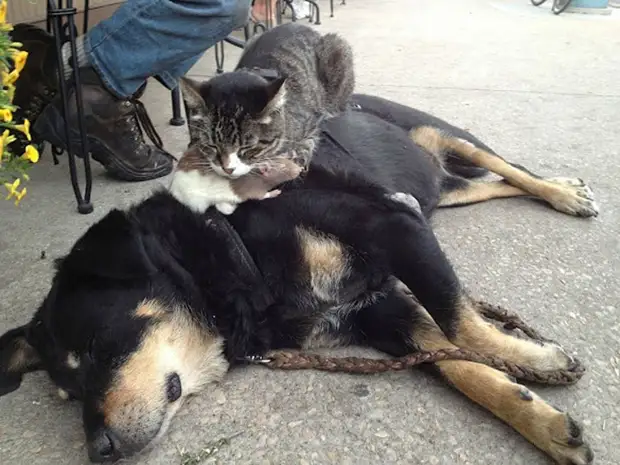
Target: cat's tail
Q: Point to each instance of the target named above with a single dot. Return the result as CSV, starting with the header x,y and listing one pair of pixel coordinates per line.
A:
x,y
336,72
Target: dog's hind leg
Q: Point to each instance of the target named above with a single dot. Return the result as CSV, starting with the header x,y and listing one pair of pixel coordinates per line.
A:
x,y
398,325
457,191
567,195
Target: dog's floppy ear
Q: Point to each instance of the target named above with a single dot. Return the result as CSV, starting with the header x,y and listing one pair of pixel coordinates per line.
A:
x,y
17,357
112,248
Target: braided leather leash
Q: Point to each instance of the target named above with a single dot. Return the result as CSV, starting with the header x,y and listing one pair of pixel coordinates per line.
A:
x,y
297,360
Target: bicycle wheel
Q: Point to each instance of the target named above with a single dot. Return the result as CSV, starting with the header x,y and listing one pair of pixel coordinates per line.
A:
x,y
559,6
537,2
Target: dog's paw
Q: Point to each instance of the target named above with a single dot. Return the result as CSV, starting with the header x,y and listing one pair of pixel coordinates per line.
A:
x,y
558,358
546,356
566,443
406,199
575,197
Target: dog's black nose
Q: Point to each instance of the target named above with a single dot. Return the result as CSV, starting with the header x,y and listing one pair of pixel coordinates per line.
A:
x,y
103,447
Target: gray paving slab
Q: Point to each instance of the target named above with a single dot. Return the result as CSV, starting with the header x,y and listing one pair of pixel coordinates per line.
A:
x,y
543,91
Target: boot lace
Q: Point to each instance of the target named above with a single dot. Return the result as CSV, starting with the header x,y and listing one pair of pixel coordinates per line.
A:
x,y
140,123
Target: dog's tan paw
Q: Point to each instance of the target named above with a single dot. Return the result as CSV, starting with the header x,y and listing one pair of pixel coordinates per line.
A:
x,y
575,197
553,357
566,444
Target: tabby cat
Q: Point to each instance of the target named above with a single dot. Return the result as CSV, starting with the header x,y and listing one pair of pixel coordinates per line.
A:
x,y
256,120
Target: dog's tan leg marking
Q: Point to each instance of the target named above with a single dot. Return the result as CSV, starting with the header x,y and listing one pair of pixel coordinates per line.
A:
x,y
552,431
474,333
567,195
477,191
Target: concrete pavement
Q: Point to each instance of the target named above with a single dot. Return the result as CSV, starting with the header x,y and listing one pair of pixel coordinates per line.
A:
x,y
543,91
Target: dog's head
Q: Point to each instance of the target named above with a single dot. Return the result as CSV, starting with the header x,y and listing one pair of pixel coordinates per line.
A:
x,y
114,334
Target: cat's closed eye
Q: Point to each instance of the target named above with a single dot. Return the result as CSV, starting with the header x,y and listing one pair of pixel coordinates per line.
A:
x,y
207,150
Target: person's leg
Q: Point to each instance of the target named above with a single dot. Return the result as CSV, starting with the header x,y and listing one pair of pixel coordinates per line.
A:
x,y
161,38
143,38
264,10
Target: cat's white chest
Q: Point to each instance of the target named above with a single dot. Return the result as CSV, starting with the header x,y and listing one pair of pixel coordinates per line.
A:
x,y
201,191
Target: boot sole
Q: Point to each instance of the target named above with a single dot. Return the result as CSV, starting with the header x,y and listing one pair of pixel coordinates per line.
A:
x,y
50,127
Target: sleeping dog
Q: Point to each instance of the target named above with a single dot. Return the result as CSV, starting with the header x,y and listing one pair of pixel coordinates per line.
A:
x,y
154,303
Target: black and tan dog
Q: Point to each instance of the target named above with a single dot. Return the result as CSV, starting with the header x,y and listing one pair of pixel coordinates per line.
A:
x,y
154,303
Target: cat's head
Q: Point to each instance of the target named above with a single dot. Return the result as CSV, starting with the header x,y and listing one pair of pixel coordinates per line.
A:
x,y
235,120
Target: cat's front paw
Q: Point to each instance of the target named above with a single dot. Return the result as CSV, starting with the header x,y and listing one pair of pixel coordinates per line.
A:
x,y
226,208
272,194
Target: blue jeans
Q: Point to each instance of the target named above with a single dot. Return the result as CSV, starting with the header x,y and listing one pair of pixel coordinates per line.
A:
x,y
160,38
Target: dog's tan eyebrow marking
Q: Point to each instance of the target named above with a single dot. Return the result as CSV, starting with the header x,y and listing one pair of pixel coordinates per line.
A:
x,y
149,309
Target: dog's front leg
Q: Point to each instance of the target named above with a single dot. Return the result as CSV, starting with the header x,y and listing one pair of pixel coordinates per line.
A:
x,y
398,325
551,430
420,263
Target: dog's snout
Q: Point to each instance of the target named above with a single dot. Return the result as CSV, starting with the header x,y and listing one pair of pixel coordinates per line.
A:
x,y
103,447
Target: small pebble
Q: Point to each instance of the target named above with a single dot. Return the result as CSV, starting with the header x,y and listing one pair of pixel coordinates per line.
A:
x,y
220,398
361,390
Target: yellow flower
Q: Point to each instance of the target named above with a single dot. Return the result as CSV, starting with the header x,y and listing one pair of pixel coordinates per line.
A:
x,y
25,128
31,154
6,115
3,11
5,139
8,79
25,176
19,60
20,196
12,188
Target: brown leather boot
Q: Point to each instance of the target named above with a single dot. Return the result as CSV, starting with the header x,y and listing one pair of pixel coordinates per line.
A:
x,y
115,130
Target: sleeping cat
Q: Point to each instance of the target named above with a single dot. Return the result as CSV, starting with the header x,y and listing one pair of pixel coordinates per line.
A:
x,y
198,187
254,121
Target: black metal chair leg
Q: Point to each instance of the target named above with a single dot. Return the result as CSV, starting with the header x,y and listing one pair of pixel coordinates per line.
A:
x,y
314,7
55,14
331,8
219,57
177,119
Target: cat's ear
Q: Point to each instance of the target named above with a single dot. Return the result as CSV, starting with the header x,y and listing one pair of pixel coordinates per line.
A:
x,y
276,98
194,103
